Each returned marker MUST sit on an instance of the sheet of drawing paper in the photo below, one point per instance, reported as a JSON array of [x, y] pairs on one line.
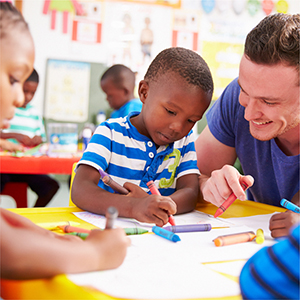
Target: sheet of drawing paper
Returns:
[[194, 217], [176, 270], [254, 222], [154, 269]]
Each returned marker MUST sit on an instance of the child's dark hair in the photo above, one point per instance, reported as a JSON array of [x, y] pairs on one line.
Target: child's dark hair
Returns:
[[10, 17], [118, 73], [184, 62], [34, 76]]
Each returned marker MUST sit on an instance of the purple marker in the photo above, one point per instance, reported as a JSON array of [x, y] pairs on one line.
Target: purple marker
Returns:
[[113, 184], [189, 228]]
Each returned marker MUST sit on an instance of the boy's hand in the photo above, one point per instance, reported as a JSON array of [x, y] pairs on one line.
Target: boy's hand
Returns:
[[154, 209], [110, 245], [281, 223]]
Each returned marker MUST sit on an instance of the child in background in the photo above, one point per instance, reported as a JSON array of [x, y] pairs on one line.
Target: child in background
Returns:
[[27, 250], [118, 84], [274, 272], [155, 144], [27, 128]]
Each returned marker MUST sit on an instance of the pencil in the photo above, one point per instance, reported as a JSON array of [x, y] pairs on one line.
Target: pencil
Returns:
[[113, 184], [154, 190], [228, 201]]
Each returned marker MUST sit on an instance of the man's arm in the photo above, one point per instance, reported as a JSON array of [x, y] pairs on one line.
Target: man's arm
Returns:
[[218, 177]]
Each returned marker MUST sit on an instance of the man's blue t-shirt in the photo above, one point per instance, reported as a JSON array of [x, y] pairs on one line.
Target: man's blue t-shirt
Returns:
[[132, 105], [275, 174]]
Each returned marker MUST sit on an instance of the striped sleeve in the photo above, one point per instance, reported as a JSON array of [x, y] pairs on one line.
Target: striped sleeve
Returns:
[[273, 272]]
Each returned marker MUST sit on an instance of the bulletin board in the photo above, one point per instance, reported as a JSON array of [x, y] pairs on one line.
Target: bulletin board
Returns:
[[72, 91]]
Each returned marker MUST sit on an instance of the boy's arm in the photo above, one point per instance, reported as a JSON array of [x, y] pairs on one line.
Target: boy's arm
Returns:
[[7, 145], [187, 193], [29, 252], [87, 195], [21, 138]]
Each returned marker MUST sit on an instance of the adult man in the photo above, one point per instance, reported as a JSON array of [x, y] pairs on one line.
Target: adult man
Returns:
[[257, 120]]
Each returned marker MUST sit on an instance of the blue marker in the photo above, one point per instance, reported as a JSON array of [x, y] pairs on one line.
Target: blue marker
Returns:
[[166, 234], [289, 205]]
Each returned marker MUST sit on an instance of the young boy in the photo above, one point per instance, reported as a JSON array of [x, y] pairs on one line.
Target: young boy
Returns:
[[27, 250], [27, 129], [118, 84], [155, 144]]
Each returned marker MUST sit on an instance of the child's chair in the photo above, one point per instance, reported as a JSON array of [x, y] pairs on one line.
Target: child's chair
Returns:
[[72, 178], [18, 191]]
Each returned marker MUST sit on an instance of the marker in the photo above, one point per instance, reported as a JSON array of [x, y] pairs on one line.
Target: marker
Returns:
[[54, 225], [111, 215], [132, 231], [154, 190], [166, 234], [82, 235], [228, 201], [290, 206], [231, 239], [69, 228], [113, 184], [189, 228], [128, 231], [260, 238]]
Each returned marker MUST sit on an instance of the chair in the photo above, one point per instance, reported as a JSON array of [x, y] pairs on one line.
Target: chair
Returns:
[[72, 178], [18, 191]]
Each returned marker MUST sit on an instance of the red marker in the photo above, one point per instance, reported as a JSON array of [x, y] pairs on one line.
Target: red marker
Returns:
[[154, 190], [228, 201]]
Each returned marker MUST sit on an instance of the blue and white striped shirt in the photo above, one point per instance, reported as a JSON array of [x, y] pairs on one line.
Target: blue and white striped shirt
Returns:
[[119, 149]]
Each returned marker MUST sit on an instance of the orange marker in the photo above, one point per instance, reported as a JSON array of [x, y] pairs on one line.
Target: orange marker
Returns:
[[154, 190], [236, 238], [69, 228], [228, 201]]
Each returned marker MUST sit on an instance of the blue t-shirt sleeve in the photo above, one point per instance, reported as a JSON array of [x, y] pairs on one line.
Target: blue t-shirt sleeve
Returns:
[[222, 116]]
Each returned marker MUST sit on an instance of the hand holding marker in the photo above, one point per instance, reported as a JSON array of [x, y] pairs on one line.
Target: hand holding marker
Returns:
[[229, 201], [114, 185], [154, 191], [111, 215]]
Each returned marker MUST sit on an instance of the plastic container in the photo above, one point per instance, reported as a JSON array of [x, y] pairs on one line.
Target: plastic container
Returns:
[[63, 139]]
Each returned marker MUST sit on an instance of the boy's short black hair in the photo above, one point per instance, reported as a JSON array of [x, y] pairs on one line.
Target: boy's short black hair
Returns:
[[118, 74], [34, 76], [184, 62]]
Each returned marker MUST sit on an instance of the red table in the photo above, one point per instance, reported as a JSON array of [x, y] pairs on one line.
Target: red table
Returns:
[[37, 165]]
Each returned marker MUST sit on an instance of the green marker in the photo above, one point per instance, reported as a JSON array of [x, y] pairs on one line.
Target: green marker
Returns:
[[82, 235], [131, 231], [128, 231]]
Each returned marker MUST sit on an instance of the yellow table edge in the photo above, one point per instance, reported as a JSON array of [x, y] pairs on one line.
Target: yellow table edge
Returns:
[[60, 287]]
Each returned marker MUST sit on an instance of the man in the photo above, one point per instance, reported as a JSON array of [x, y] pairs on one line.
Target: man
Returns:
[[257, 120]]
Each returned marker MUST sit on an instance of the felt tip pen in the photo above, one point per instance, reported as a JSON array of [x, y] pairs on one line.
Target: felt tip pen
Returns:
[[231, 239], [166, 234], [189, 228], [260, 238], [111, 215], [228, 201], [290, 206], [113, 184], [154, 190]]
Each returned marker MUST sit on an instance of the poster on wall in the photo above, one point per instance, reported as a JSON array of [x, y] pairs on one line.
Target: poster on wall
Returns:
[[67, 90]]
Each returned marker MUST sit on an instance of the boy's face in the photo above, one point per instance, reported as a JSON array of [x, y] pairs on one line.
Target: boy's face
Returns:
[[116, 97], [16, 64], [29, 89], [171, 107]]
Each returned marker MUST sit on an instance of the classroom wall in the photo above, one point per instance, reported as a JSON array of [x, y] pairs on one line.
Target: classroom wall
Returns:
[[108, 32]]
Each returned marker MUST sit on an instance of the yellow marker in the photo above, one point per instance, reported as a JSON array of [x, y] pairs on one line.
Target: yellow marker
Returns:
[[53, 225], [260, 238]]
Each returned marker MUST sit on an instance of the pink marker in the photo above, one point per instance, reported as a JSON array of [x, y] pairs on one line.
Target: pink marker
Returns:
[[154, 190]]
